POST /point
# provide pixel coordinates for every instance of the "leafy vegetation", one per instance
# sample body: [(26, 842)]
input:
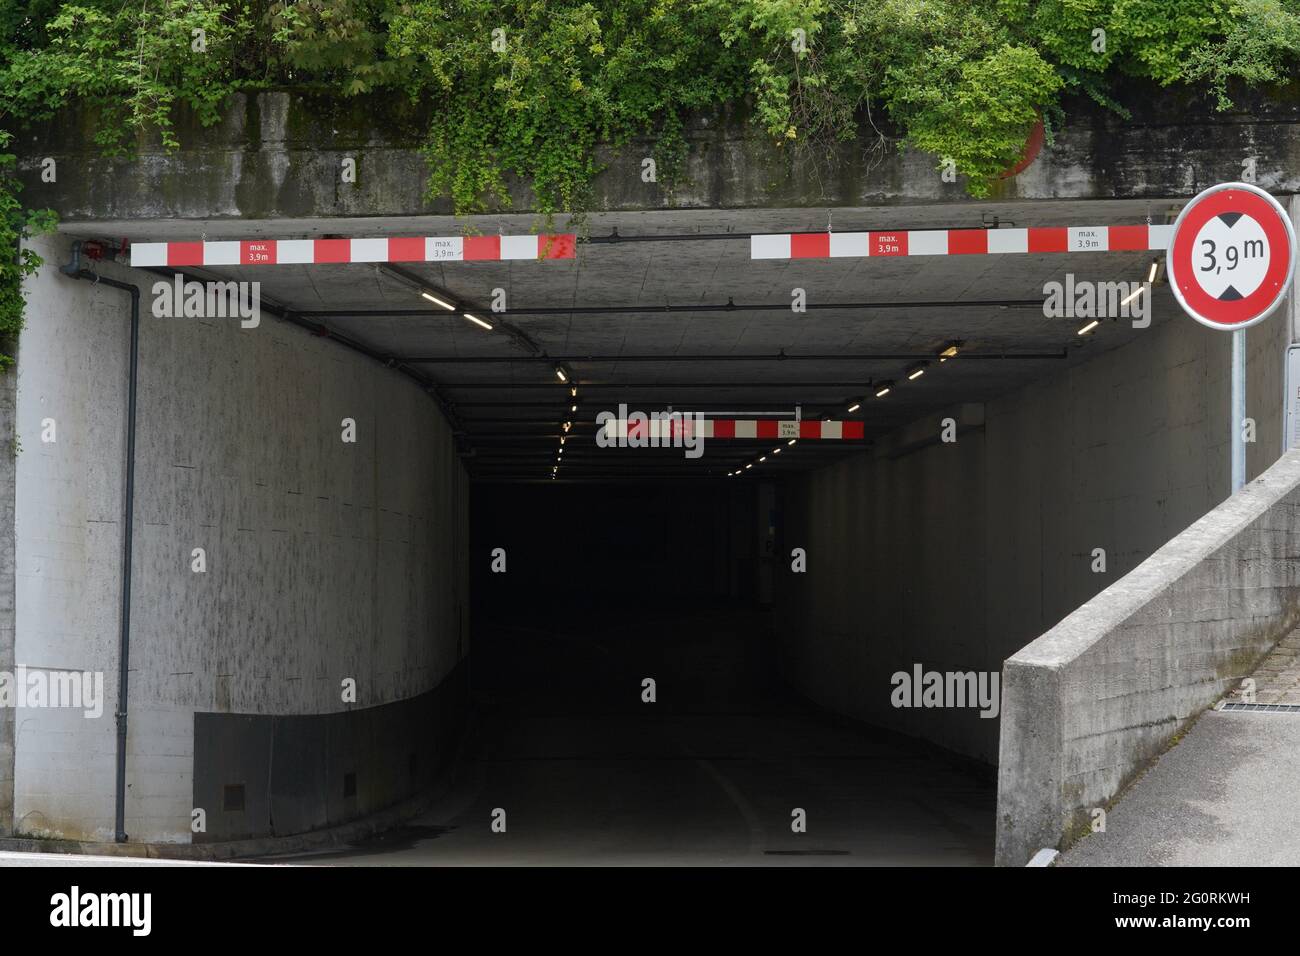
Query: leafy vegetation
[(528, 88)]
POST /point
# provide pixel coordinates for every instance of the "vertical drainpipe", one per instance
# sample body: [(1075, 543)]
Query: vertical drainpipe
[(74, 270)]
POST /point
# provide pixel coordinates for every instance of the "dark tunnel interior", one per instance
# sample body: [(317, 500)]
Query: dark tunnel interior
[(600, 588)]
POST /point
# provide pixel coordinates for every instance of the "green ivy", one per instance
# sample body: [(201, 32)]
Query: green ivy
[(16, 224)]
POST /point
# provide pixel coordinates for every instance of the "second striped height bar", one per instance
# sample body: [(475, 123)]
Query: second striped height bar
[(617, 429), (957, 242)]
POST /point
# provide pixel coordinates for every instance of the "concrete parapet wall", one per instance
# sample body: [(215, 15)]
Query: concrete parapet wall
[(279, 154), (1089, 703)]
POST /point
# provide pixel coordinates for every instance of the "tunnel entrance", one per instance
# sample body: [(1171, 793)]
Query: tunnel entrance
[(459, 485), (633, 697), (631, 703)]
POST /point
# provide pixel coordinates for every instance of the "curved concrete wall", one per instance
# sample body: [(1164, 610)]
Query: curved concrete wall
[(326, 561)]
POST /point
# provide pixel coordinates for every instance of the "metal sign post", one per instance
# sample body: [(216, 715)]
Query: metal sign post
[(1291, 400), (1230, 262), (1238, 409)]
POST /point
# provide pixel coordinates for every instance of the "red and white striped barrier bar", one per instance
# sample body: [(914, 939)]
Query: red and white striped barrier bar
[(766, 428), (270, 252), (958, 242)]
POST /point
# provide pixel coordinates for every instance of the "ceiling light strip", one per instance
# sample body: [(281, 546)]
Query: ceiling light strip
[(270, 252), (956, 242)]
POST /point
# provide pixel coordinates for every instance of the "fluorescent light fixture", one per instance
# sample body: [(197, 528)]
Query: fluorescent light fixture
[(749, 466), (854, 407), (573, 392), (568, 425), (1132, 295), (1155, 268), (477, 321), (1089, 327), (561, 373), (776, 451), (792, 441), (573, 408), (916, 372), (885, 388), (437, 301), (763, 458)]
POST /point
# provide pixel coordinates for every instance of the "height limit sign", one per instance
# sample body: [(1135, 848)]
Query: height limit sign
[(1230, 264), (1232, 256)]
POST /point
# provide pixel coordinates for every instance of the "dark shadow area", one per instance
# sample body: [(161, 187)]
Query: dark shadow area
[(609, 585), (605, 587)]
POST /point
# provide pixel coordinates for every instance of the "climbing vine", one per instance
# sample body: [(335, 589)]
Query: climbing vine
[(15, 224), (528, 92)]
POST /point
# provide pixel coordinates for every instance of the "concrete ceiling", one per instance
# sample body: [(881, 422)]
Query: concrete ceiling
[(511, 406)]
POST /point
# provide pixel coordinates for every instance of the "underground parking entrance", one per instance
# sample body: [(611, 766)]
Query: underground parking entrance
[(697, 537)]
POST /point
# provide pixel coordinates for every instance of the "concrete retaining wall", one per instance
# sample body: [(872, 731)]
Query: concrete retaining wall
[(8, 463), (955, 556), (279, 154), (325, 560), (1091, 701)]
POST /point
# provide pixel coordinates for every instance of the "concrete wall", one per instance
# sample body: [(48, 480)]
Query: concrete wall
[(955, 556), (895, 576), (1089, 703), (325, 560), (8, 464), (278, 154)]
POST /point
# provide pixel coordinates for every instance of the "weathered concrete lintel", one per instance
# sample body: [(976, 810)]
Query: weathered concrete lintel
[(279, 154)]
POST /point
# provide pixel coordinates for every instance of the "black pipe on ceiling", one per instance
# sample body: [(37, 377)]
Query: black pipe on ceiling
[(728, 306), (615, 237), (585, 388), (781, 357)]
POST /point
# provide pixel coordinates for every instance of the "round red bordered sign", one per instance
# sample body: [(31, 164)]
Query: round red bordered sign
[(1232, 256)]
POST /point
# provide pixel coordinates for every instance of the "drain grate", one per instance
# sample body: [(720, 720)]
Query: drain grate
[(1262, 708)]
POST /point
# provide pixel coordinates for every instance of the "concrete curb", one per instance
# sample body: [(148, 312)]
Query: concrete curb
[(326, 838), (262, 846)]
